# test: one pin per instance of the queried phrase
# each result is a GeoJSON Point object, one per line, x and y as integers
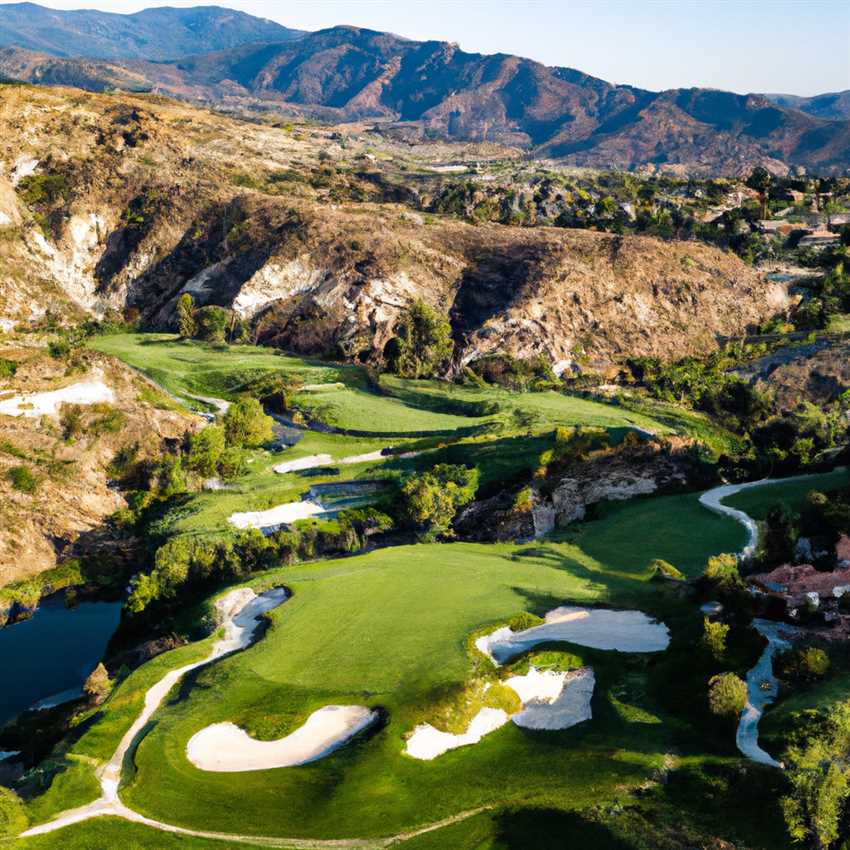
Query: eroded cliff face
{"type": "Point", "coordinates": [118, 203]}
{"type": "Point", "coordinates": [65, 424]}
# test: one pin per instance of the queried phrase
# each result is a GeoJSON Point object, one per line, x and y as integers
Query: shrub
{"type": "Point", "coordinates": [432, 499]}
{"type": "Point", "coordinates": [71, 420]}
{"type": "Point", "coordinates": [232, 464]}
{"type": "Point", "coordinates": [714, 637]}
{"type": "Point", "coordinates": [7, 368]}
{"type": "Point", "coordinates": [722, 573]}
{"type": "Point", "coordinates": [205, 450]}
{"type": "Point", "coordinates": [98, 684]}
{"type": "Point", "coordinates": [423, 344]}
{"type": "Point", "coordinates": [524, 621]}
{"type": "Point", "coordinates": [727, 695]}
{"type": "Point", "coordinates": [110, 420]}
{"type": "Point", "coordinates": [211, 324]}
{"type": "Point", "coordinates": [23, 479]}
{"type": "Point", "coordinates": [803, 665]}
{"type": "Point", "coordinates": [246, 425]}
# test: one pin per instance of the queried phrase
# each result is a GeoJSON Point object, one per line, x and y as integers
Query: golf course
{"type": "Point", "coordinates": [393, 636]}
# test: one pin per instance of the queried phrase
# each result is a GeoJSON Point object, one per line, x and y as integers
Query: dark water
{"type": "Point", "coordinates": [53, 653]}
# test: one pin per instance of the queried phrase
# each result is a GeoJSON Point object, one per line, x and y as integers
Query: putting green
{"type": "Point", "coordinates": [390, 629]}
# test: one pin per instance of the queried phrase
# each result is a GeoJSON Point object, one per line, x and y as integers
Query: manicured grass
{"type": "Point", "coordinates": [628, 536]}
{"type": "Point", "coordinates": [410, 407]}
{"type": "Point", "coordinates": [759, 501]}
{"type": "Point", "coordinates": [390, 628]}
{"type": "Point", "coordinates": [109, 833]}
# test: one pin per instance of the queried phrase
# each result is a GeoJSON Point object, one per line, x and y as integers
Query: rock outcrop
{"type": "Point", "coordinates": [123, 208]}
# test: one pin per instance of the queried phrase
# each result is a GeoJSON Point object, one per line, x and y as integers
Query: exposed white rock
{"type": "Point", "coordinates": [25, 166]}
{"type": "Point", "coordinates": [225, 748]}
{"type": "Point", "coordinates": [34, 405]}
{"type": "Point", "coordinates": [276, 281]}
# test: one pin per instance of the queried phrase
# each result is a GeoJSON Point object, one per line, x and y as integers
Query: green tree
{"type": "Point", "coordinates": [205, 450]}
{"type": "Point", "coordinates": [819, 777]}
{"type": "Point", "coordinates": [246, 425]}
{"type": "Point", "coordinates": [714, 637]}
{"type": "Point", "coordinates": [186, 316]}
{"type": "Point", "coordinates": [759, 180]}
{"type": "Point", "coordinates": [211, 324]}
{"type": "Point", "coordinates": [727, 694]}
{"type": "Point", "coordinates": [432, 499]}
{"type": "Point", "coordinates": [780, 535]}
{"type": "Point", "coordinates": [423, 344]}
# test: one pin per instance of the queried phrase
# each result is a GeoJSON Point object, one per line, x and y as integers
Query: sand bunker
{"type": "Point", "coordinates": [551, 700]}
{"type": "Point", "coordinates": [310, 462]}
{"type": "Point", "coordinates": [596, 628]}
{"type": "Point", "coordinates": [316, 461]}
{"type": "Point", "coordinates": [34, 405]}
{"type": "Point", "coordinates": [275, 518]}
{"type": "Point", "coordinates": [554, 700]}
{"type": "Point", "coordinates": [225, 748]}
{"type": "Point", "coordinates": [426, 742]}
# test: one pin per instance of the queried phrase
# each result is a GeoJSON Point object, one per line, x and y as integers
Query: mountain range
{"type": "Point", "coordinates": [160, 33]}
{"type": "Point", "coordinates": [423, 90]}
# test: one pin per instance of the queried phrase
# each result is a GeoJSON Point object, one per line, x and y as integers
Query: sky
{"type": "Point", "coordinates": [789, 46]}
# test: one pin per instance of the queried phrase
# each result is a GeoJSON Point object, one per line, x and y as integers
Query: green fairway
{"type": "Point", "coordinates": [189, 369]}
{"type": "Point", "coordinates": [390, 629]}
{"type": "Point", "coordinates": [112, 833]}
{"type": "Point", "coordinates": [757, 502]}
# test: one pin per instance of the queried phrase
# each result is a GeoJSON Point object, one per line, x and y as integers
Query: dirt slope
{"type": "Point", "coordinates": [130, 201]}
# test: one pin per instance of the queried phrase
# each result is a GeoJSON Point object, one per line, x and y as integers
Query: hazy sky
{"type": "Point", "coordinates": [793, 46]}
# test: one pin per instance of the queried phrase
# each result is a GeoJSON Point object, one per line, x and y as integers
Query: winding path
{"type": "Point", "coordinates": [240, 611]}
{"type": "Point", "coordinates": [762, 686]}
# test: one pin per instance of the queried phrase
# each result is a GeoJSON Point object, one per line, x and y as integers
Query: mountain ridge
{"type": "Point", "coordinates": [434, 90]}
{"type": "Point", "coordinates": [158, 33]}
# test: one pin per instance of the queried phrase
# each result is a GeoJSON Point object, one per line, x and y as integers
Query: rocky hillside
{"type": "Point", "coordinates": [436, 90]}
{"type": "Point", "coordinates": [159, 33]}
{"type": "Point", "coordinates": [123, 204]}
{"type": "Point", "coordinates": [58, 452]}
{"type": "Point", "coordinates": [817, 372]}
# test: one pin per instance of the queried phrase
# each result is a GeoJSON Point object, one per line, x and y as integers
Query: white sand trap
{"type": "Point", "coordinates": [310, 462]}
{"type": "Point", "coordinates": [552, 700]}
{"type": "Point", "coordinates": [596, 628]}
{"type": "Point", "coordinates": [225, 748]}
{"type": "Point", "coordinates": [274, 518]}
{"type": "Point", "coordinates": [34, 405]}
{"type": "Point", "coordinates": [316, 461]}
{"type": "Point", "coordinates": [426, 742]}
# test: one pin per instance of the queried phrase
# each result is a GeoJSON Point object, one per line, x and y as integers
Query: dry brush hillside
{"type": "Point", "coordinates": [119, 202]}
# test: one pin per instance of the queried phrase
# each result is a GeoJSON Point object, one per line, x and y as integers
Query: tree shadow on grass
{"type": "Point", "coordinates": [551, 829]}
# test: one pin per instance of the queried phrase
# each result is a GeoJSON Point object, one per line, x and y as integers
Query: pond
{"type": "Point", "coordinates": [52, 654]}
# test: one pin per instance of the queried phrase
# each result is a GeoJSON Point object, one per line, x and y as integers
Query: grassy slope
{"type": "Point", "coordinates": [414, 407]}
